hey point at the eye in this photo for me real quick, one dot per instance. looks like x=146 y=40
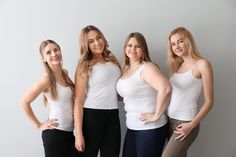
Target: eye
x=181 y=41
x=137 y=46
x=55 y=49
x=172 y=44
x=90 y=41
x=129 y=45
x=98 y=37
x=48 y=52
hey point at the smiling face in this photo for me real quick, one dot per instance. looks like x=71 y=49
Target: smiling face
x=133 y=50
x=179 y=45
x=51 y=54
x=96 y=42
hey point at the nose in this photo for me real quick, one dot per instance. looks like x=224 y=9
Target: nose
x=133 y=47
x=96 y=42
x=177 y=45
x=54 y=53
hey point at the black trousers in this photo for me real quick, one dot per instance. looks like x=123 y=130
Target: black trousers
x=58 y=143
x=101 y=129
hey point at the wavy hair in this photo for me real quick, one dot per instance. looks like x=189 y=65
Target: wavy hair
x=87 y=59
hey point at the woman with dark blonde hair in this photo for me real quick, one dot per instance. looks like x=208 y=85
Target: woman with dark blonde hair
x=58 y=91
x=145 y=93
x=97 y=122
x=190 y=75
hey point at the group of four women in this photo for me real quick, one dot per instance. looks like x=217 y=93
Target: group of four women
x=90 y=107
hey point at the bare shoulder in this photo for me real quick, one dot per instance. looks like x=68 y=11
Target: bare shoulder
x=150 y=71
x=79 y=74
x=204 y=64
x=149 y=66
x=44 y=81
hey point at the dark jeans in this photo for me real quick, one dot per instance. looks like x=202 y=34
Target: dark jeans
x=58 y=143
x=101 y=129
x=145 y=143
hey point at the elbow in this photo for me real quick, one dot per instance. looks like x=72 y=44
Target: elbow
x=210 y=103
x=168 y=90
x=22 y=103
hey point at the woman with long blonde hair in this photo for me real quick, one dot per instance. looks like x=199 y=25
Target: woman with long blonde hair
x=190 y=75
x=58 y=92
x=97 y=122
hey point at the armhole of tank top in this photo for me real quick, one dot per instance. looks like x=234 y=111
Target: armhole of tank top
x=141 y=70
x=193 y=67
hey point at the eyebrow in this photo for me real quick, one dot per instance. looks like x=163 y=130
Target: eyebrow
x=95 y=37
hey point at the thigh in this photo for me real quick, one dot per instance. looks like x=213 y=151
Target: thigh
x=179 y=148
x=151 y=142
x=129 y=147
x=93 y=126
x=56 y=143
x=111 y=135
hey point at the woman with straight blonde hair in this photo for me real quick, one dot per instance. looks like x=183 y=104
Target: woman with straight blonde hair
x=190 y=74
x=97 y=121
x=58 y=91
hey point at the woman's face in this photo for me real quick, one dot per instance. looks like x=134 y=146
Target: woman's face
x=179 y=45
x=133 y=50
x=52 y=55
x=96 y=42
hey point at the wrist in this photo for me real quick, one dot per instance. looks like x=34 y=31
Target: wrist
x=38 y=125
x=193 y=124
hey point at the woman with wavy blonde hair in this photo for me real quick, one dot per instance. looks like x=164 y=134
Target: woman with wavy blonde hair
x=97 y=122
x=190 y=75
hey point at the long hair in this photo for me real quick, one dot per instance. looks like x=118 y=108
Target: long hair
x=87 y=59
x=143 y=45
x=52 y=89
x=175 y=61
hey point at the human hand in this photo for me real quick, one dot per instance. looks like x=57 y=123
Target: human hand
x=79 y=143
x=49 y=124
x=148 y=117
x=183 y=130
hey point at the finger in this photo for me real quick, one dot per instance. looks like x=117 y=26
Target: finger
x=179 y=126
x=177 y=132
x=178 y=137
x=182 y=138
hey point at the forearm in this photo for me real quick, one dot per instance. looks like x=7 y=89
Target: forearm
x=78 y=119
x=201 y=114
x=30 y=114
x=162 y=102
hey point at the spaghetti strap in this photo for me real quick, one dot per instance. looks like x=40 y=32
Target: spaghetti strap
x=195 y=65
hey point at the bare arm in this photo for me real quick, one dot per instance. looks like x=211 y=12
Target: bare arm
x=208 y=91
x=153 y=76
x=81 y=83
x=206 y=73
x=40 y=86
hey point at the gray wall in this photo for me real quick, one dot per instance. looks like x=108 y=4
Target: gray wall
x=24 y=24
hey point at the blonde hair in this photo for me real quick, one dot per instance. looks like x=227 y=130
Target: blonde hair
x=87 y=60
x=175 y=61
x=52 y=89
x=143 y=45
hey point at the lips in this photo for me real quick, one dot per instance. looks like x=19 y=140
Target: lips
x=55 y=58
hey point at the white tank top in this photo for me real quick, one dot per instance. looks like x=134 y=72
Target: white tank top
x=62 y=108
x=101 y=92
x=139 y=97
x=186 y=89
